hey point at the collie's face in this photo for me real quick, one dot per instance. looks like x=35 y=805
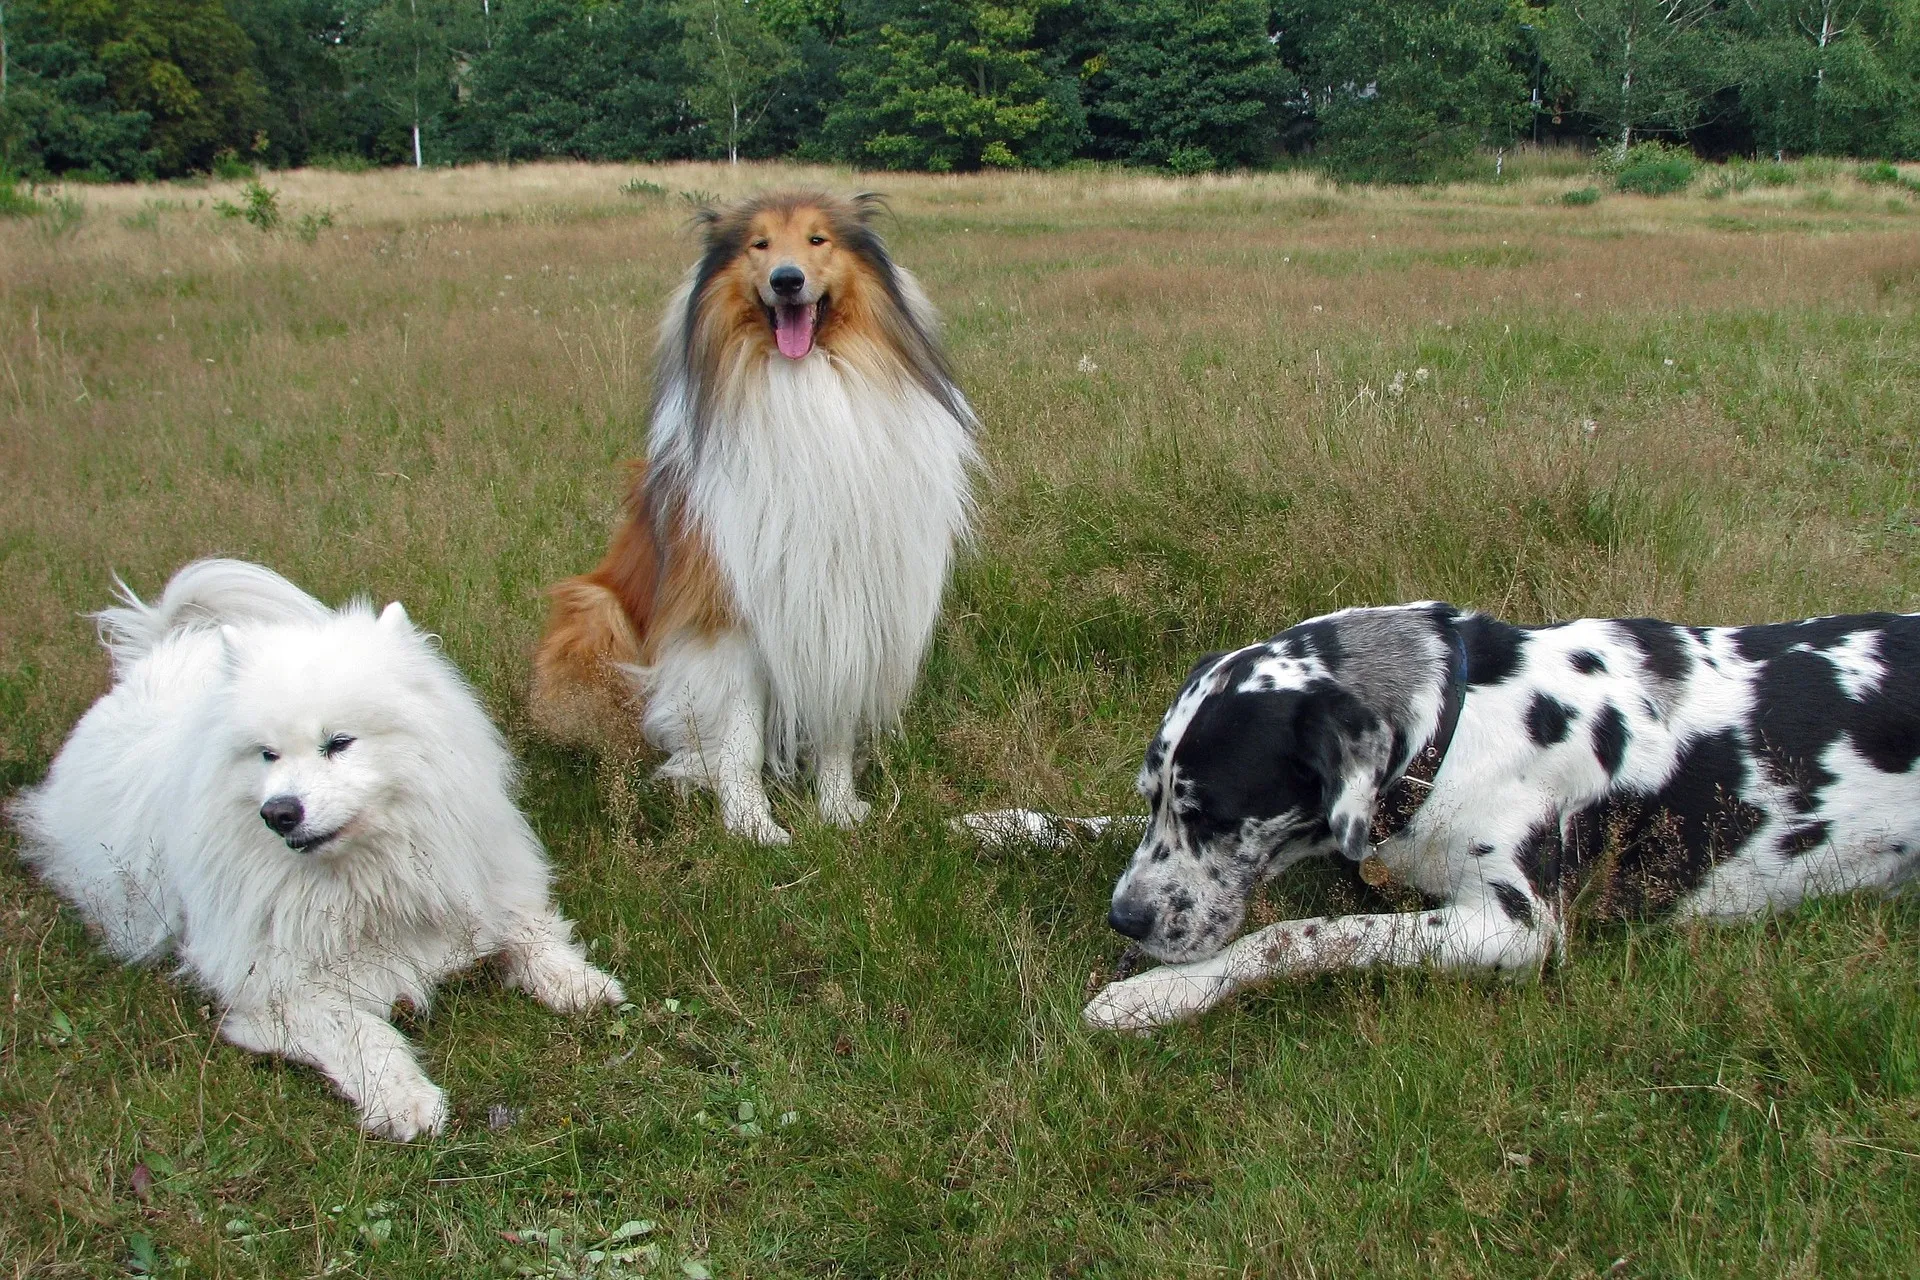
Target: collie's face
x=793 y=266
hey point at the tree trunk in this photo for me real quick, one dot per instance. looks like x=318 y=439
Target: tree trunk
x=416 y=144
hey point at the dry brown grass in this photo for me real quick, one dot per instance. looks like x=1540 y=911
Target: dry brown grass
x=1194 y=439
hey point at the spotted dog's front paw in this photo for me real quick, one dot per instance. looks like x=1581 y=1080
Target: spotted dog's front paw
x=405 y=1109
x=1155 y=998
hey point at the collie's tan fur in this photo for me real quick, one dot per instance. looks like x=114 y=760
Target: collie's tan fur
x=604 y=623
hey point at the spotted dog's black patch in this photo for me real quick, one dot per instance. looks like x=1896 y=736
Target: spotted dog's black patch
x=1514 y=903
x=1542 y=860
x=1548 y=719
x=1769 y=640
x=1802 y=838
x=1586 y=661
x=1657 y=847
x=1319 y=638
x=1662 y=652
x=1493 y=648
x=1610 y=738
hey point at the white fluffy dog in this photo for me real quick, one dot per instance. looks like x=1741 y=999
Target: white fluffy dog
x=311 y=809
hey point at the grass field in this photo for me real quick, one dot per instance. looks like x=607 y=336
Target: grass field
x=1212 y=407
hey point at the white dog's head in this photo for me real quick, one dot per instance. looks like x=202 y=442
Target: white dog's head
x=335 y=729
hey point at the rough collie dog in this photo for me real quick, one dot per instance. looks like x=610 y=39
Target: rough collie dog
x=778 y=572
x=312 y=811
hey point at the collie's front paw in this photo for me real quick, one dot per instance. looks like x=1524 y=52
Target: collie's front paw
x=845 y=812
x=1153 y=999
x=758 y=827
x=403 y=1111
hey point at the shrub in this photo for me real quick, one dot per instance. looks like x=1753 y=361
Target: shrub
x=308 y=226
x=229 y=167
x=641 y=187
x=1187 y=161
x=1880 y=173
x=1650 y=168
x=15 y=203
x=261 y=206
x=1581 y=195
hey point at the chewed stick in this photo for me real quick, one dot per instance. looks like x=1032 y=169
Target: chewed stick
x=1007 y=828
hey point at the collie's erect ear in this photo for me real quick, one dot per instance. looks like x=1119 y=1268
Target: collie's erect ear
x=868 y=205
x=1353 y=754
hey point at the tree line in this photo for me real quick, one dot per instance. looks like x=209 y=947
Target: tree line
x=1394 y=90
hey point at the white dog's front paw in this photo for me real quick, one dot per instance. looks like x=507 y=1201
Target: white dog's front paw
x=1154 y=998
x=572 y=986
x=403 y=1111
x=845 y=812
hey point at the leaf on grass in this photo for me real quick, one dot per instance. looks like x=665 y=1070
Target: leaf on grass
x=744 y=1112
x=695 y=1270
x=628 y=1230
x=142 y=1258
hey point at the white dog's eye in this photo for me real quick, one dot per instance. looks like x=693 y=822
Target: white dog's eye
x=269 y=756
x=336 y=744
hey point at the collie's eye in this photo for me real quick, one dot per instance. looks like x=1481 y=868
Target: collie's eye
x=760 y=244
x=816 y=239
x=269 y=756
x=336 y=744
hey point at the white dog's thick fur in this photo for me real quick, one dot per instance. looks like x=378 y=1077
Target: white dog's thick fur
x=312 y=811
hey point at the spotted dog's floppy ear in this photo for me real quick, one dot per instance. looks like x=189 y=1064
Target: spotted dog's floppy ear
x=1352 y=751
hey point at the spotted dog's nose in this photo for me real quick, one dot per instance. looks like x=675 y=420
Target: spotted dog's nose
x=1131 y=920
x=282 y=813
x=787 y=281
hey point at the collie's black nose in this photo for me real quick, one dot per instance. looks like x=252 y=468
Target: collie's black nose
x=282 y=813
x=787 y=281
x=1131 y=920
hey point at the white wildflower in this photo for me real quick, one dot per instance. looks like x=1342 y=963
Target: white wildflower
x=1421 y=375
x=1087 y=365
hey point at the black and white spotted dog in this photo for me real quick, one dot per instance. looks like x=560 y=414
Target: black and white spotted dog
x=1515 y=775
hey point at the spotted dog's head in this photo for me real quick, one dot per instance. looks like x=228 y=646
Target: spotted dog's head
x=1271 y=754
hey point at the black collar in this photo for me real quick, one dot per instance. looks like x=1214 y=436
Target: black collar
x=1409 y=791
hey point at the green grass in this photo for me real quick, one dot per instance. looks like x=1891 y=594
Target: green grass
x=1212 y=406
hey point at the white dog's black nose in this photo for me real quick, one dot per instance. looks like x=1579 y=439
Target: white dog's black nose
x=282 y=813
x=787 y=281
x=1131 y=920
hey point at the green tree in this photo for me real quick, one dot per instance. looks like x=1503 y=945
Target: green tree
x=736 y=64
x=1188 y=83
x=185 y=64
x=954 y=84
x=601 y=83
x=1638 y=66
x=1814 y=77
x=58 y=113
x=296 y=56
x=1405 y=90
x=406 y=59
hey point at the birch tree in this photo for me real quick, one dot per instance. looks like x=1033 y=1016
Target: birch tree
x=1637 y=66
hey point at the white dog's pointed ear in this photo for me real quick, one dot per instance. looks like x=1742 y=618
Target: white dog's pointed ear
x=393 y=616
x=229 y=638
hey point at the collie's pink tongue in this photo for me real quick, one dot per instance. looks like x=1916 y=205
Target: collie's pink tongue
x=793 y=329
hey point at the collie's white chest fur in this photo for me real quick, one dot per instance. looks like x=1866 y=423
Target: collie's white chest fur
x=833 y=504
